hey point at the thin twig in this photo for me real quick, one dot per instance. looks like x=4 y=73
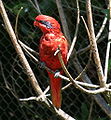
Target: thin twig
x=86 y=27
x=107 y=58
x=35 y=6
x=46 y=90
x=39 y=98
x=101 y=28
x=16 y=23
x=29 y=99
x=30 y=54
x=76 y=31
x=108 y=45
x=82 y=84
x=28 y=48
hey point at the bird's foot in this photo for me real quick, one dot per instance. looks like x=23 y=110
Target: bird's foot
x=42 y=65
x=57 y=73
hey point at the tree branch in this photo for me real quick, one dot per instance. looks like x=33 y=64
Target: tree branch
x=76 y=31
x=94 y=44
x=108 y=45
x=36 y=6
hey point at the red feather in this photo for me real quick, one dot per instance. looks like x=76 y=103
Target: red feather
x=49 y=42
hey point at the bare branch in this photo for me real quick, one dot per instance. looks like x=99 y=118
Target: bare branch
x=82 y=84
x=79 y=76
x=76 y=31
x=86 y=27
x=39 y=98
x=94 y=44
x=101 y=28
x=28 y=48
x=16 y=23
x=29 y=99
x=108 y=45
x=36 y=6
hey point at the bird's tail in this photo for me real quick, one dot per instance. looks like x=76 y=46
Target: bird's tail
x=55 y=85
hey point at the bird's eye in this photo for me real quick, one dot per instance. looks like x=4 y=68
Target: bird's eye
x=46 y=23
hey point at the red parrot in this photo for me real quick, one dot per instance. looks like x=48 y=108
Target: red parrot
x=52 y=38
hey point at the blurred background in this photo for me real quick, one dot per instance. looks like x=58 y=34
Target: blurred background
x=14 y=82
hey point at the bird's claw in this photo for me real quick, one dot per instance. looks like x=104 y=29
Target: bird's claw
x=57 y=73
x=41 y=65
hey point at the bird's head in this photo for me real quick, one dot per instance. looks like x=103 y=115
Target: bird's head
x=47 y=24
